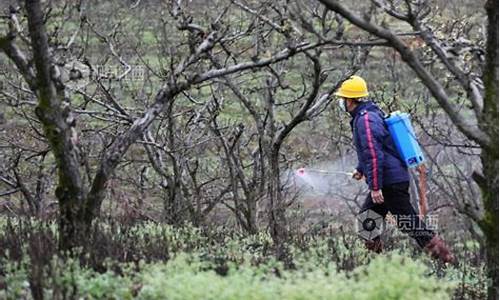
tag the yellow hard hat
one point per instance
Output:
(354, 87)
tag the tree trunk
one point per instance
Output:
(488, 183)
(73, 225)
(277, 219)
(58, 128)
(489, 155)
(251, 214)
(172, 203)
(174, 197)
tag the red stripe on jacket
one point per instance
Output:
(372, 153)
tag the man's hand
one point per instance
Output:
(357, 175)
(377, 197)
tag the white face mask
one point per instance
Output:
(342, 105)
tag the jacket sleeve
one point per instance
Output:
(358, 168)
(370, 130)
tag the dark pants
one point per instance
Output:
(397, 201)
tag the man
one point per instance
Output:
(385, 172)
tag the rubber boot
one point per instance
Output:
(438, 250)
(376, 245)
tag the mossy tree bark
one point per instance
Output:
(58, 128)
(489, 154)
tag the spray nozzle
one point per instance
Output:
(301, 172)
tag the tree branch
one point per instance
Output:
(472, 131)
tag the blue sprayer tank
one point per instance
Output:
(403, 135)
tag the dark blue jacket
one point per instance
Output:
(378, 159)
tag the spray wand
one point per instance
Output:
(302, 172)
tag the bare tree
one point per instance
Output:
(80, 203)
(271, 132)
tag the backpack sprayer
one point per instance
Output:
(403, 135)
